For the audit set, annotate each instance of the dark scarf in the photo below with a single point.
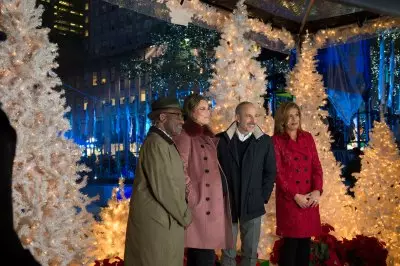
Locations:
(193, 129)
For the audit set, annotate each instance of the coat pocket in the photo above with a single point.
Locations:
(160, 216)
(193, 196)
(255, 201)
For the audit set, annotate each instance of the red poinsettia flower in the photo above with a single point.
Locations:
(327, 228)
(106, 262)
(274, 256)
(365, 250)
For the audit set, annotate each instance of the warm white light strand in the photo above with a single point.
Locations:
(237, 76)
(49, 210)
(377, 190)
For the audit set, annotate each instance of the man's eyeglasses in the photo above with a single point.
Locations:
(178, 115)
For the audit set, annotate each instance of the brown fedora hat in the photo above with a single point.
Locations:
(164, 103)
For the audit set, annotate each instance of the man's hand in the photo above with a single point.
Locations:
(314, 198)
(302, 200)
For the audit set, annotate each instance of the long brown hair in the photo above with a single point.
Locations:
(190, 104)
(282, 117)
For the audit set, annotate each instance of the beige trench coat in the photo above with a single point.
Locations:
(158, 210)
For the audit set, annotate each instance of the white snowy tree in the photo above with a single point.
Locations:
(110, 232)
(336, 207)
(50, 213)
(377, 190)
(238, 75)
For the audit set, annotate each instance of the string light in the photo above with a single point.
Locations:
(46, 198)
(237, 75)
(353, 31)
(306, 85)
(377, 190)
(110, 232)
(211, 16)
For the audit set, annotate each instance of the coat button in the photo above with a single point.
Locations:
(207, 199)
(207, 185)
(305, 158)
(207, 171)
(307, 181)
(208, 213)
(297, 170)
(202, 146)
(205, 158)
(305, 169)
(295, 158)
(297, 182)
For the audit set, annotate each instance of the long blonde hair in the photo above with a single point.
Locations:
(282, 117)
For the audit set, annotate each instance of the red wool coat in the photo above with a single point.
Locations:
(298, 172)
(211, 226)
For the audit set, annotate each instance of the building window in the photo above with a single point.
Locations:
(87, 6)
(104, 76)
(86, 19)
(113, 101)
(142, 95)
(122, 100)
(94, 79)
(132, 99)
(64, 3)
(86, 33)
(85, 106)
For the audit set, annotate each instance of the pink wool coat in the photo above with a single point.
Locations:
(298, 172)
(211, 226)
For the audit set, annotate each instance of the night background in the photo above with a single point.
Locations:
(114, 62)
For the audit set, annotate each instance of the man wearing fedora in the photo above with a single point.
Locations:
(158, 210)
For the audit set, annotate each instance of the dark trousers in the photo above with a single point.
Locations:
(200, 257)
(295, 252)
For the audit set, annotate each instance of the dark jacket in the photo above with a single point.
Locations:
(9, 239)
(158, 211)
(250, 186)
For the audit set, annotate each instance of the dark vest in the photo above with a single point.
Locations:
(241, 147)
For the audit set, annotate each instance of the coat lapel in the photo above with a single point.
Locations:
(233, 151)
(299, 146)
(246, 167)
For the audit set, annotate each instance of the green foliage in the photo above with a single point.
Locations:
(185, 62)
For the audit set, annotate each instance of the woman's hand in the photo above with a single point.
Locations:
(314, 198)
(302, 200)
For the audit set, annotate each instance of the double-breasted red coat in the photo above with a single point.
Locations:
(298, 172)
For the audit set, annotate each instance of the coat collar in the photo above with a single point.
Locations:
(159, 132)
(258, 133)
(300, 134)
(299, 145)
(193, 129)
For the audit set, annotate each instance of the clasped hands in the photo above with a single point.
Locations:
(308, 200)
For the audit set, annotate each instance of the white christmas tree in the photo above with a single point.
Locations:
(305, 83)
(377, 190)
(50, 213)
(110, 232)
(238, 76)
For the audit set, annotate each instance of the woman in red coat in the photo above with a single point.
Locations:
(298, 186)
(211, 226)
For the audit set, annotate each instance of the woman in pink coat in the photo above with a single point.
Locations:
(298, 186)
(207, 194)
